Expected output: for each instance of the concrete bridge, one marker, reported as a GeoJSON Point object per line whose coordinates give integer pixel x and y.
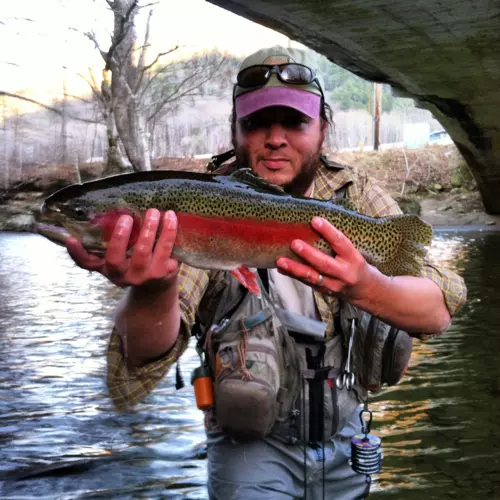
{"type": "Point", "coordinates": [443, 53]}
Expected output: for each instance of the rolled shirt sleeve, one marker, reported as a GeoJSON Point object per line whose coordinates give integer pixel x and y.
{"type": "Point", "coordinates": [129, 384]}
{"type": "Point", "coordinates": [373, 201]}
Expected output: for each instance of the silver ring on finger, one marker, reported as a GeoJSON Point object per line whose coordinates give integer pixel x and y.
{"type": "Point", "coordinates": [320, 280]}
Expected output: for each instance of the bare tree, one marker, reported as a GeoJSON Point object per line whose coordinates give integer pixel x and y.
{"type": "Point", "coordinates": [136, 91]}
{"type": "Point", "coordinates": [102, 95]}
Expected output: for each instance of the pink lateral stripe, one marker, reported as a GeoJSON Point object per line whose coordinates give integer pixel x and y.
{"type": "Point", "coordinates": [251, 231]}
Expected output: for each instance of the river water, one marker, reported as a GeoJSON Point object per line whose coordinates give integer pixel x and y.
{"type": "Point", "coordinates": [60, 437]}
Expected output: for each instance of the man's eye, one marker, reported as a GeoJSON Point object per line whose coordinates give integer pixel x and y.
{"type": "Point", "coordinates": [250, 124]}
{"type": "Point", "coordinates": [294, 122]}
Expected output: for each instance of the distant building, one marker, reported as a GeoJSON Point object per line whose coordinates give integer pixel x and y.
{"type": "Point", "coordinates": [440, 137]}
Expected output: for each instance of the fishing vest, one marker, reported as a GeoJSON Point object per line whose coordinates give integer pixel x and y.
{"type": "Point", "coordinates": [274, 371]}
{"type": "Point", "coordinates": [276, 374]}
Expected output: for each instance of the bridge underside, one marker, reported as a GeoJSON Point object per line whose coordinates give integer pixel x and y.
{"type": "Point", "coordinates": [443, 53]}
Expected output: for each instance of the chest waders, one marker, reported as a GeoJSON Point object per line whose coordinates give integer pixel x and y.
{"type": "Point", "coordinates": [275, 373]}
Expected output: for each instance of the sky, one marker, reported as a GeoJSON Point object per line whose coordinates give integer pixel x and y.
{"type": "Point", "coordinates": [43, 40]}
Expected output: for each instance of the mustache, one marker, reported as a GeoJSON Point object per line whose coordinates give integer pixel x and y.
{"type": "Point", "coordinates": [300, 183]}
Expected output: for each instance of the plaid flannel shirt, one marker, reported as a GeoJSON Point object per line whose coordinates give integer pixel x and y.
{"type": "Point", "coordinates": [128, 384]}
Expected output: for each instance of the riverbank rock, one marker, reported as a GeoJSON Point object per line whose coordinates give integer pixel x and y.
{"type": "Point", "coordinates": [17, 210]}
{"type": "Point", "coordinates": [456, 209]}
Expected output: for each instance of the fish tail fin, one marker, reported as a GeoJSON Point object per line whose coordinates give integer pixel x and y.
{"type": "Point", "coordinates": [414, 235]}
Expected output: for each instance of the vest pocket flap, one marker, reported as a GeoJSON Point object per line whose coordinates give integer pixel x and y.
{"type": "Point", "coordinates": [245, 409]}
{"type": "Point", "coordinates": [247, 387]}
{"type": "Point", "coordinates": [397, 355]}
{"type": "Point", "coordinates": [381, 352]}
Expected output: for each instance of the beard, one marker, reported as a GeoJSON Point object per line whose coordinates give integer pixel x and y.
{"type": "Point", "coordinates": [300, 183]}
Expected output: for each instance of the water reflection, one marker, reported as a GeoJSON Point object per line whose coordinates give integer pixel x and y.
{"type": "Point", "coordinates": [439, 426]}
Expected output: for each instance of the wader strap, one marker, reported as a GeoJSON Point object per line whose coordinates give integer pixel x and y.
{"type": "Point", "coordinates": [316, 395]}
{"type": "Point", "coordinates": [326, 373]}
{"type": "Point", "coordinates": [264, 277]}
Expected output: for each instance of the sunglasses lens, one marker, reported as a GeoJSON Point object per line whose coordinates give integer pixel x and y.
{"type": "Point", "coordinates": [254, 76]}
{"type": "Point", "coordinates": [296, 74]}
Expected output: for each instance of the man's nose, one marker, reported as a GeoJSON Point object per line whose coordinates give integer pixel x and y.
{"type": "Point", "coordinates": [276, 136]}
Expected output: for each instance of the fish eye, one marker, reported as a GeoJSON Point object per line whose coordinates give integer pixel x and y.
{"type": "Point", "coordinates": [79, 213]}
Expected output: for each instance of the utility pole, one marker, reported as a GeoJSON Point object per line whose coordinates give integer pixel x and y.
{"type": "Point", "coordinates": [377, 100]}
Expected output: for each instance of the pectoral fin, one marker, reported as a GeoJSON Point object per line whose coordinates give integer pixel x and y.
{"type": "Point", "coordinates": [247, 278]}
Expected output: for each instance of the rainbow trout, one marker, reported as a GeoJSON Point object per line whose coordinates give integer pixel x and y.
{"type": "Point", "coordinates": [227, 222]}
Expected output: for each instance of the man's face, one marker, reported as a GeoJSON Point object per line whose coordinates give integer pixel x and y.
{"type": "Point", "coordinates": [281, 145]}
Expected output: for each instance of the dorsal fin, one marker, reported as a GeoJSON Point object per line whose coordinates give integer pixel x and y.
{"type": "Point", "coordinates": [245, 176]}
{"type": "Point", "coordinates": [345, 203]}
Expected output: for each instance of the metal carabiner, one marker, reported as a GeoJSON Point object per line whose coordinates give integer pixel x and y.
{"type": "Point", "coordinates": [347, 378]}
{"type": "Point", "coordinates": [339, 381]}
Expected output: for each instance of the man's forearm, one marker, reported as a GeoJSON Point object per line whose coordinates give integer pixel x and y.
{"type": "Point", "coordinates": [148, 322]}
{"type": "Point", "coordinates": [411, 303]}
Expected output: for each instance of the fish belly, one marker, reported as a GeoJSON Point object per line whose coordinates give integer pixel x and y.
{"type": "Point", "coordinates": [228, 243]}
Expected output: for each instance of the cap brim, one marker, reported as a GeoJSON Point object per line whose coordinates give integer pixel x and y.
{"type": "Point", "coordinates": [255, 100]}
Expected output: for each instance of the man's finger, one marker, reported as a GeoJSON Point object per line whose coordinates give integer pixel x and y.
{"type": "Point", "coordinates": [116, 254]}
{"type": "Point", "coordinates": [326, 264]}
{"type": "Point", "coordinates": [81, 257]}
{"type": "Point", "coordinates": [309, 276]}
{"type": "Point", "coordinates": [162, 254]}
{"type": "Point", "coordinates": [299, 271]}
{"type": "Point", "coordinates": [141, 256]}
{"type": "Point", "coordinates": [341, 245]}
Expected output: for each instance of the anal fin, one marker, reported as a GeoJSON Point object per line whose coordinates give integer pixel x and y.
{"type": "Point", "coordinates": [247, 278]}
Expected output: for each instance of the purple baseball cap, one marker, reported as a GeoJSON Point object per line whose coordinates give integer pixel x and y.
{"type": "Point", "coordinates": [303, 98]}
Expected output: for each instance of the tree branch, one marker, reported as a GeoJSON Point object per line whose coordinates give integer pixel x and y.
{"type": "Point", "coordinates": [91, 36]}
{"type": "Point", "coordinates": [179, 92]}
{"type": "Point", "coordinates": [161, 54]}
{"type": "Point", "coordinates": [46, 106]}
{"type": "Point", "coordinates": [153, 78]}
{"type": "Point", "coordinates": [142, 57]}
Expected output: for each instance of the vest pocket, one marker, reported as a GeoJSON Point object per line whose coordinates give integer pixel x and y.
{"type": "Point", "coordinates": [247, 386]}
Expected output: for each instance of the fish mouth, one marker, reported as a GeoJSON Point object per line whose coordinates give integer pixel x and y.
{"type": "Point", "coordinates": [56, 234]}
{"type": "Point", "coordinates": [48, 223]}
{"type": "Point", "coordinates": [58, 228]}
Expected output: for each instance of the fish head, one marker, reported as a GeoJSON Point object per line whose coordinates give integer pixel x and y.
{"type": "Point", "coordinates": [87, 214]}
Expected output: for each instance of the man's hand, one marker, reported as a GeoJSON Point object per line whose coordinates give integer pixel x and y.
{"type": "Point", "coordinates": [344, 275]}
{"type": "Point", "coordinates": [149, 265]}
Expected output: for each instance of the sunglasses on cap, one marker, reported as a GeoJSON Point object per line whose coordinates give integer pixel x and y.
{"type": "Point", "coordinates": [291, 73]}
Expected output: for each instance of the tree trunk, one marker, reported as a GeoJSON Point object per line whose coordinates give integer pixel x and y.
{"type": "Point", "coordinates": [64, 124]}
{"type": "Point", "coordinates": [124, 86]}
{"type": "Point", "coordinates": [114, 161]}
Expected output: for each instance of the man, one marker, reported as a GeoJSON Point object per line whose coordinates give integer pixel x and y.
{"type": "Point", "coordinates": [279, 123]}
